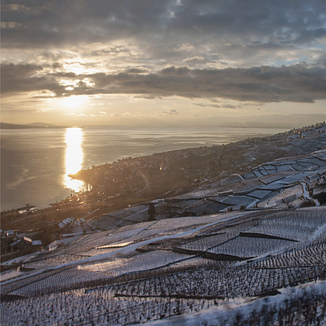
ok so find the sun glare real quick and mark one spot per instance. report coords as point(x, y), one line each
point(74, 158)
point(73, 103)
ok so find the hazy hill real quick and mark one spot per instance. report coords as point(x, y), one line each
point(4, 125)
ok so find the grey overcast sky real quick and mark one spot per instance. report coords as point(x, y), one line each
point(154, 62)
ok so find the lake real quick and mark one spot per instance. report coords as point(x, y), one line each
point(35, 163)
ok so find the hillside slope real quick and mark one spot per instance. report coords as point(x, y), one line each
point(246, 248)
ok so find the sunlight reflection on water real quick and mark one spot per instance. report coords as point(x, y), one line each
point(74, 158)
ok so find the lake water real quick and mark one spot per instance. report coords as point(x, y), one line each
point(35, 163)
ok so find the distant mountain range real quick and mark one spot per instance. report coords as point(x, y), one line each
point(28, 126)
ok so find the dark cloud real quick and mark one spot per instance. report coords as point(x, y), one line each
point(263, 84)
point(225, 106)
point(296, 83)
point(140, 48)
point(22, 78)
point(202, 105)
point(230, 106)
point(228, 29)
point(136, 71)
point(58, 22)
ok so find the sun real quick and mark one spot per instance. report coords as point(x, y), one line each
point(73, 103)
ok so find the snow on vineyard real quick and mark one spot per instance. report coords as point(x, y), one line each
point(237, 263)
point(125, 286)
point(299, 225)
point(140, 262)
point(249, 247)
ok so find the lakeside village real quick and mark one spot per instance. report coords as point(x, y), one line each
point(122, 185)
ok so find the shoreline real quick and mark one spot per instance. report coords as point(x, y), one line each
point(160, 140)
point(122, 161)
point(217, 179)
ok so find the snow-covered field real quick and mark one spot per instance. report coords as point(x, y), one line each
point(122, 286)
point(242, 267)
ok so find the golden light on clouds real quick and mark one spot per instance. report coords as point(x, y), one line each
point(171, 61)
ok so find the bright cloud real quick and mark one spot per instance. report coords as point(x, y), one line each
point(81, 53)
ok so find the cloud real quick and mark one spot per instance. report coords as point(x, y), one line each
point(242, 50)
point(194, 60)
point(172, 111)
point(21, 78)
point(5, 25)
point(202, 105)
point(136, 71)
point(297, 83)
point(235, 31)
point(263, 84)
point(230, 106)
point(222, 105)
point(45, 110)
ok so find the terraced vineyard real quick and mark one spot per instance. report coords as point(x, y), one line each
point(211, 262)
point(266, 261)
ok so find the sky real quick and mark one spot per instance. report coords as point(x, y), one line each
point(253, 63)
